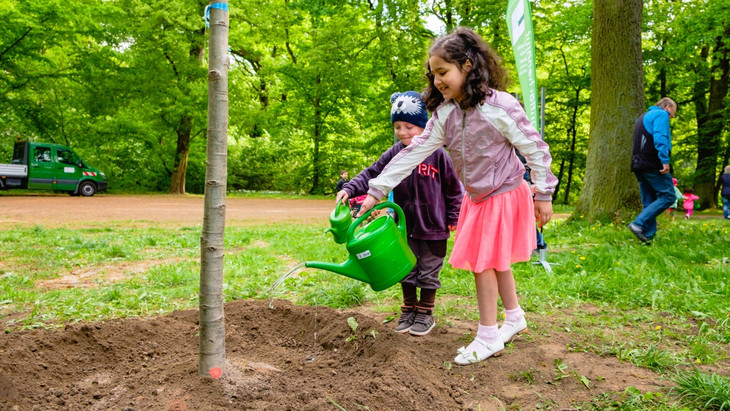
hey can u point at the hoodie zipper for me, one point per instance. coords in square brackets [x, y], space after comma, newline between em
[463, 156]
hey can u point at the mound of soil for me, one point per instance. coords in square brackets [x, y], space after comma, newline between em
[295, 358]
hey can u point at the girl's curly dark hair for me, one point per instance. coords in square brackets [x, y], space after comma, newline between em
[486, 72]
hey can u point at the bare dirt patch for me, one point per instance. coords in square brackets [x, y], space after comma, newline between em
[294, 357]
[89, 277]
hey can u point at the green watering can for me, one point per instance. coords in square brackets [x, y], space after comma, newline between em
[340, 220]
[379, 251]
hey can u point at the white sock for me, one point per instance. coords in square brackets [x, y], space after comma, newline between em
[514, 315]
[489, 334]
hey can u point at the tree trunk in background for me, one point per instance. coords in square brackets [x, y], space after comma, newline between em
[212, 343]
[709, 128]
[573, 131]
[180, 167]
[316, 156]
[617, 100]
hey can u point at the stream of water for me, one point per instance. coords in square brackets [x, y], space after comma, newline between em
[281, 280]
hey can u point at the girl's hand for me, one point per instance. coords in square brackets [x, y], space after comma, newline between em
[452, 228]
[342, 197]
[543, 211]
[369, 203]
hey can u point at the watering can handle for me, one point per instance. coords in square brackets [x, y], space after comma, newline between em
[385, 204]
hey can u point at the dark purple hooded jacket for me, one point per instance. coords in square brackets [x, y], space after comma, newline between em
[430, 197]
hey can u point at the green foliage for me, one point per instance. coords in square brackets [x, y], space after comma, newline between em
[710, 390]
[124, 83]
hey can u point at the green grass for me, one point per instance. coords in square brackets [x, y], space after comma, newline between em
[712, 391]
[664, 307]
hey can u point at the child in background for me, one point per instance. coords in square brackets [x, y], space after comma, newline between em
[689, 203]
[481, 125]
[430, 198]
[678, 195]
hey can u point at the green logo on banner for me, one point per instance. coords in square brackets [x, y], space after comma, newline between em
[519, 23]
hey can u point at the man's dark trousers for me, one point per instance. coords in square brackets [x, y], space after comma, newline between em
[657, 194]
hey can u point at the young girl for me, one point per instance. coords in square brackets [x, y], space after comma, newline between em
[677, 195]
[689, 203]
[481, 125]
[430, 198]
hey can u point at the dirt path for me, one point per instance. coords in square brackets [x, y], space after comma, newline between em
[59, 210]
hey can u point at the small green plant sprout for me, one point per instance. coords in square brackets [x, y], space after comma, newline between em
[373, 333]
[336, 404]
[448, 365]
[560, 368]
[527, 376]
[352, 322]
[583, 379]
[389, 318]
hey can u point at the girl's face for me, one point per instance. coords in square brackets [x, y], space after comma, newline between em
[448, 78]
[406, 131]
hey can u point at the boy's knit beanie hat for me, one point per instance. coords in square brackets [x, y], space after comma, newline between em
[409, 107]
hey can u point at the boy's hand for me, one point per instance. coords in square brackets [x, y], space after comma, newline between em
[342, 197]
[543, 212]
[369, 203]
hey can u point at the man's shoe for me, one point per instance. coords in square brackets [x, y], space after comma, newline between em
[423, 322]
[638, 232]
[405, 322]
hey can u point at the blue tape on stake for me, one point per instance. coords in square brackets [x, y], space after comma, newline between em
[219, 6]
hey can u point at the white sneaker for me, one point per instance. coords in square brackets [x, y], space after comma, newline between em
[509, 329]
[478, 350]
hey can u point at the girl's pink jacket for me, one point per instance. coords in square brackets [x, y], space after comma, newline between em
[481, 142]
[689, 201]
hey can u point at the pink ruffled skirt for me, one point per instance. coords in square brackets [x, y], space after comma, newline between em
[496, 232]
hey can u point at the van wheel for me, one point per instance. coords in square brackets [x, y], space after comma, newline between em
[87, 189]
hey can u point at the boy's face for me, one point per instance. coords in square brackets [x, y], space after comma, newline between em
[406, 131]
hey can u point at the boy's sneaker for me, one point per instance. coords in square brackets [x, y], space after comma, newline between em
[423, 322]
[405, 322]
[509, 329]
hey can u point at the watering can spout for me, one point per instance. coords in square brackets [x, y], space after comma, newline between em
[349, 268]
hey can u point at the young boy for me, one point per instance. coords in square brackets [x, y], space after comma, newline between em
[430, 198]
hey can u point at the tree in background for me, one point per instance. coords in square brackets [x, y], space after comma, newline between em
[617, 99]
[564, 47]
[710, 32]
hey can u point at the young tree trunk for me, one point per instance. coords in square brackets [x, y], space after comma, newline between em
[212, 344]
[617, 100]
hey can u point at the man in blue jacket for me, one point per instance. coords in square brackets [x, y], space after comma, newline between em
[650, 164]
